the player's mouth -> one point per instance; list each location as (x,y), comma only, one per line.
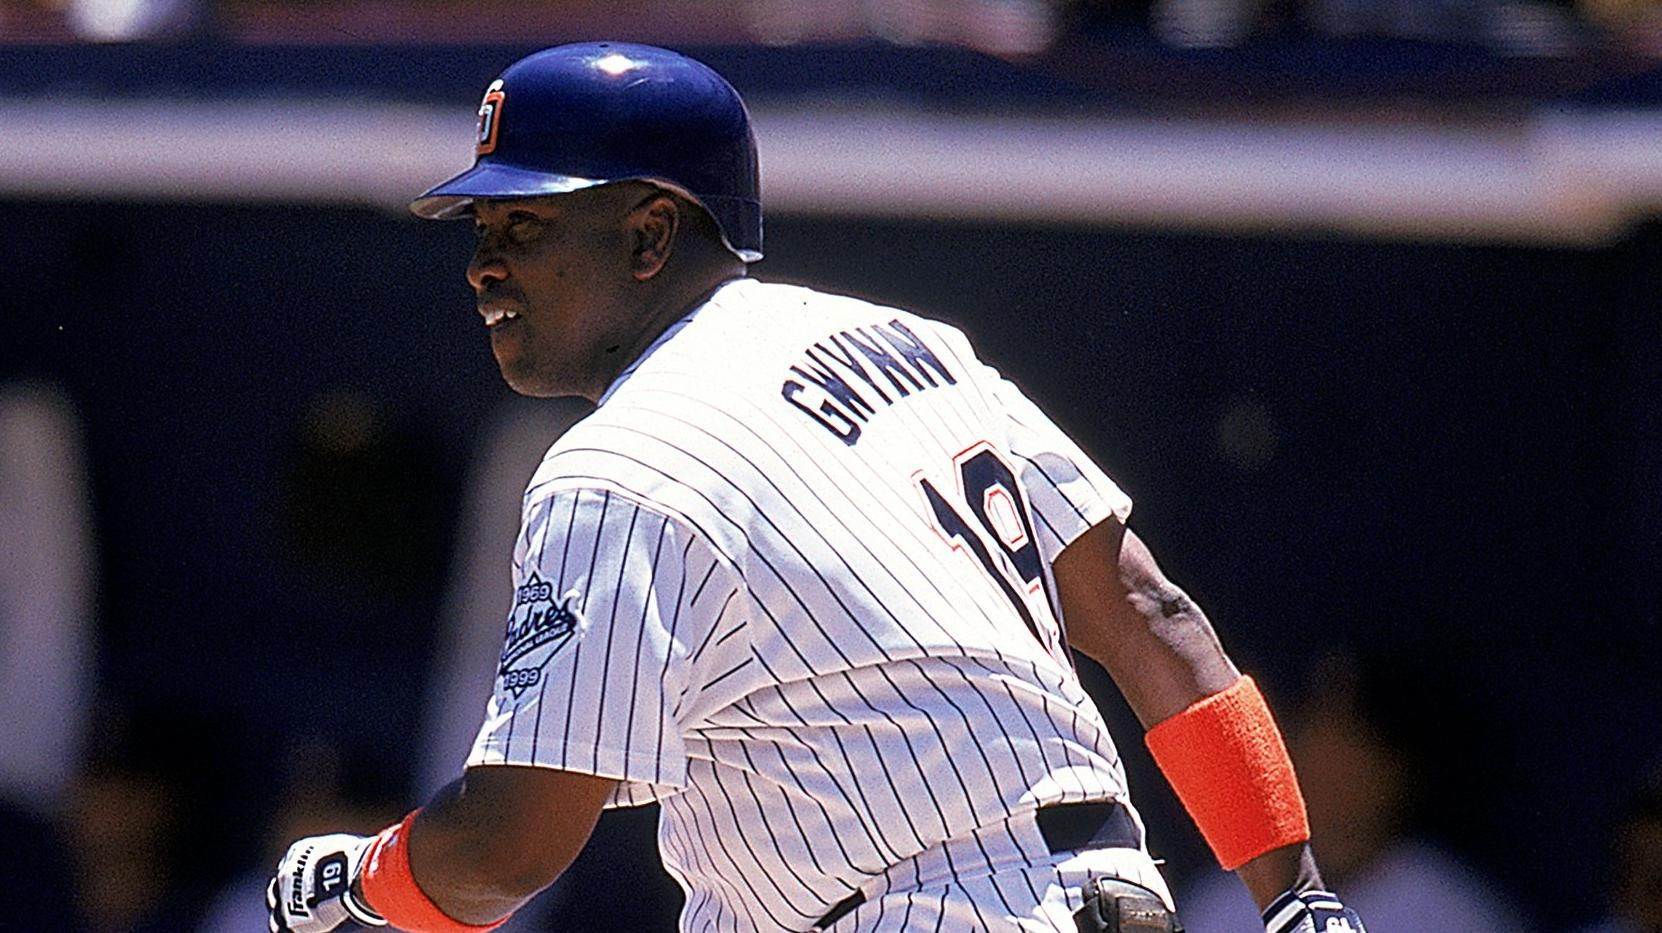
(498,316)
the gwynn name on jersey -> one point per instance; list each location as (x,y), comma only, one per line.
(890,359)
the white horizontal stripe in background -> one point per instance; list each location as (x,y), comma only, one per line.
(1565,176)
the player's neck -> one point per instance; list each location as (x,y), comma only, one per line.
(663,306)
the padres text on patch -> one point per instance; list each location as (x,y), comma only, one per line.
(536,622)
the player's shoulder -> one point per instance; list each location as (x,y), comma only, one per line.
(734,347)
(785,314)
(825,312)
(776,317)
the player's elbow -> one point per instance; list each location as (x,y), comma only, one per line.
(1150,621)
(1176,625)
(1168,612)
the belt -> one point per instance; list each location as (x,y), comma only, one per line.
(1066,827)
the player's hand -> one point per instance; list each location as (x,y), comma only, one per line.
(312,892)
(1310,912)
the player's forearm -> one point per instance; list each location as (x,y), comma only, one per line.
(458,859)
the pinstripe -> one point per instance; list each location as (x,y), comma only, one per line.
(577,648)
(1010,907)
(872,832)
(928,785)
(611,634)
(744,897)
(640,643)
(980,749)
(731,671)
(980,918)
(894,793)
(698,844)
(934,727)
(830,828)
(536,729)
(1032,891)
(851,538)
(1044,757)
(674,627)
(796,819)
(704,536)
(701,583)
(1015,708)
(742,709)
(1039,469)
(709,636)
(565,564)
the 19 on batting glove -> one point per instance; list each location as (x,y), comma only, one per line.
(1310,912)
(312,892)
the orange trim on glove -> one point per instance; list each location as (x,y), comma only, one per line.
(391,890)
(1224,757)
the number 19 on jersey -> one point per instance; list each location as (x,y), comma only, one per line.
(987,518)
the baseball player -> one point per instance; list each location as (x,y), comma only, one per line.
(808,577)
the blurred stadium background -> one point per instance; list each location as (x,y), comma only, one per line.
(1357,298)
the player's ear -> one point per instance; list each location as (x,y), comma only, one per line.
(653,224)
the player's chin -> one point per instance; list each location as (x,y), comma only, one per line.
(517,371)
(524,386)
(526,380)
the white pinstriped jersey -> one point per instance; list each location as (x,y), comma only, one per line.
(792,580)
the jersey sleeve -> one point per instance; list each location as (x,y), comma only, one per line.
(1068,492)
(612,600)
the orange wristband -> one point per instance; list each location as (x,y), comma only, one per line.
(1225,759)
(390,887)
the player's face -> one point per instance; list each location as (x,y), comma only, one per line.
(550,276)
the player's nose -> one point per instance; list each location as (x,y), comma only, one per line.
(485,269)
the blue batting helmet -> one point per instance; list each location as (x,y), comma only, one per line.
(575,116)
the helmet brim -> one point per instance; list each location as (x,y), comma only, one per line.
(454,197)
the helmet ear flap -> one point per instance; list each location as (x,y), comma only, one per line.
(585,114)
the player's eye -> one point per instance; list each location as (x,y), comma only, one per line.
(522,224)
(515,227)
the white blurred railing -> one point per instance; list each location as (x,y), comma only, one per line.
(1575,177)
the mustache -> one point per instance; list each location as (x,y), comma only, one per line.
(498,295)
